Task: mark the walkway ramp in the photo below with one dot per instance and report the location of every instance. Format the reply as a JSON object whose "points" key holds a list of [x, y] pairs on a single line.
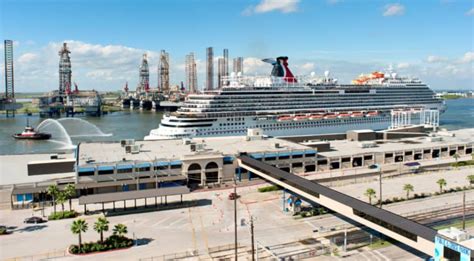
{"points": [[406, 231]]}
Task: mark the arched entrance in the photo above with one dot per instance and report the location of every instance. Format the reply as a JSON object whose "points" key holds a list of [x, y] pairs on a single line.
{"points": [[212, 172], [194, 175]]}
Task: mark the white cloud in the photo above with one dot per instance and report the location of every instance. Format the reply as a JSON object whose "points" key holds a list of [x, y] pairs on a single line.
{"points": [[254, 65], [108, 67], [306, 68], [283, 6], [403, 65], [27, 58], [467, 58], [470, 12], [394, 10], [435, 59]]}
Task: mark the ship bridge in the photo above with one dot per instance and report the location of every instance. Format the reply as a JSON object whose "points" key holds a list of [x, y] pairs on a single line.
{"points": [[406, 231]]}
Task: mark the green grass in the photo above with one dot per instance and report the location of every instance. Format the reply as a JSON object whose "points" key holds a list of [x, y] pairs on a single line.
{"points": [[380, 244], [457, 224], [28, 107], [463, 163], [268, 188], [451, 96], [28, 95]]}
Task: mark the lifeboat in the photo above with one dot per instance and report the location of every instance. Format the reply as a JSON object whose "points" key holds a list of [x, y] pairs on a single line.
{"points": [[301, 118], [330, 116], [357, 114], [343, 115], [372, 113], [316, 116], [285, 118]]}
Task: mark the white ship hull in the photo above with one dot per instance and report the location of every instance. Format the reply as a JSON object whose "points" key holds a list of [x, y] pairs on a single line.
{"points": [[271, 127]]}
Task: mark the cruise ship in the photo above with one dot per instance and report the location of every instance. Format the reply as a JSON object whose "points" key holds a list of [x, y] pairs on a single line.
{"points": [[282, 104]]}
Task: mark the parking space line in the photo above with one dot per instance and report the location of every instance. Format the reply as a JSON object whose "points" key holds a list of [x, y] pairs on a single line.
{"points": [[175, 222], [162, 221], [381, 255]]}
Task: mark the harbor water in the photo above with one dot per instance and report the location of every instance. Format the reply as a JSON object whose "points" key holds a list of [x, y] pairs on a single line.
{"points": [[137, 124]]}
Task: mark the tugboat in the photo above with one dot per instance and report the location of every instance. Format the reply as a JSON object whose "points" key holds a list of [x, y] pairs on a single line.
{"points": [[30, 134]]}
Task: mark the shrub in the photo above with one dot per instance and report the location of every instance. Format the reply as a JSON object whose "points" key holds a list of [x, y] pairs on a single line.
{"points": [[268, 188], [63, 215], [3, 230], [112, 242]]}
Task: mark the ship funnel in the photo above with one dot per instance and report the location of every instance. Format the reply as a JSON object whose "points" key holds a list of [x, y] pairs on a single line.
{"points": [[280, 68]]}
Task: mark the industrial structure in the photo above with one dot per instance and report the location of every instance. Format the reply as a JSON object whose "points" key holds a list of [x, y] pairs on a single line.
{"points": [[238, 65], [65, 99], [144, 76], [209, 69], [220, 71], [7, 102], [164, 72], [226, 62], [65, 70], [191, 74]]}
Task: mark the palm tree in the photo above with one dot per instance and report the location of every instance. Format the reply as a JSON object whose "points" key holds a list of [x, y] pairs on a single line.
{"points": [[78, 227], [441, 183], [456, 157], [101, 226], [70, 191], [53, 191], [60, 199], [408, 188], [370, 193], [470, 178], [120, 230]]}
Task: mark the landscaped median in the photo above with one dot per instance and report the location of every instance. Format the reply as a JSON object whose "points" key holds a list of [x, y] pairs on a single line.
{"points": [[63, 215], [116, 241]]}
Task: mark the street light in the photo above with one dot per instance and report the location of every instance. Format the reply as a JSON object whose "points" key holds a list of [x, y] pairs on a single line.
{"points": [[235, 218]]}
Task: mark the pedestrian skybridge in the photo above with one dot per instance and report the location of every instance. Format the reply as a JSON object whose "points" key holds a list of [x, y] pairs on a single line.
{"points": [[406, 231]]}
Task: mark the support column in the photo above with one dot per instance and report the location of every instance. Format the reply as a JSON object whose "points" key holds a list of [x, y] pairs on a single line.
{"points": [[219, 176], [113, 204], [203, 178], [239, 173], [124, 205]]}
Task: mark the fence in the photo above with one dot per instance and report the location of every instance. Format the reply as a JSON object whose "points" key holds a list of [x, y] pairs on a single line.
{"points": [[193, 253], [54, 254]]}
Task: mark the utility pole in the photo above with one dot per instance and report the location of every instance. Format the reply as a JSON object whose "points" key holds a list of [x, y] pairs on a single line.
{"points": [[235, 218], [464, 210], [380, 188], [252, 236]]}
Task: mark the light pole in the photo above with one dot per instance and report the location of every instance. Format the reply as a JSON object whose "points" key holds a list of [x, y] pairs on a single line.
{"points": [[252, 236], [235, 219], [464, 210], [380, 185]]}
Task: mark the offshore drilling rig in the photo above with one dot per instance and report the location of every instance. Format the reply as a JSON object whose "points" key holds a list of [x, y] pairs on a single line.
{"points": [[64, 99], [146, 98]]}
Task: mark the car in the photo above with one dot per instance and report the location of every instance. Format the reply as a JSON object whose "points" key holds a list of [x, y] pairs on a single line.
{"points": [[233, 196], [34, 220], [374, 166]]}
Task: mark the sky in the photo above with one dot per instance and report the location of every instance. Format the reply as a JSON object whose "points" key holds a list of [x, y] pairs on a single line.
{"points": [[429, 39]]}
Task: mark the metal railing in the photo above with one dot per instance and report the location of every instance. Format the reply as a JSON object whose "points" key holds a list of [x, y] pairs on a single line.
{"points": [[191, 253]]}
